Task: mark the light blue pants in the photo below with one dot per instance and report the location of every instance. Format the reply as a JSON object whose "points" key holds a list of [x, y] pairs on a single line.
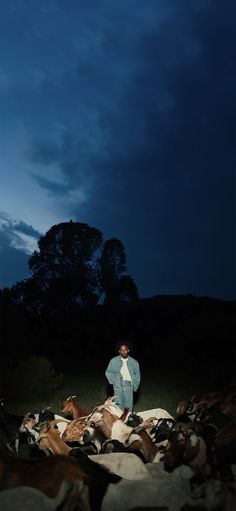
{"points": [[124, 395]]}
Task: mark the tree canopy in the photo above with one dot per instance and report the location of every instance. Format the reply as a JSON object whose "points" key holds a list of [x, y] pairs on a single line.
{"points": [[73, 265]]}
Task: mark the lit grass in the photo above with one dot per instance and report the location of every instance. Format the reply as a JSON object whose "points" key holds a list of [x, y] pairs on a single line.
{"points": [[157, 390]]}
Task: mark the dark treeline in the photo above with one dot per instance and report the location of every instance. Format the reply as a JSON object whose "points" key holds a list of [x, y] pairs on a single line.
{"points": [[79, 302], [181, 333]]}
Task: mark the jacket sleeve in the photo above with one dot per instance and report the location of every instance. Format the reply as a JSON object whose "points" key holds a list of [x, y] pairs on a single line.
{"points": [[137, 377], [110, 372]]}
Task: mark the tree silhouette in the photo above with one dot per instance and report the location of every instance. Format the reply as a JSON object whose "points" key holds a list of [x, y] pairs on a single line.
{"points": [[113, 265], [74, 267], [128, 290], [67, 263]]}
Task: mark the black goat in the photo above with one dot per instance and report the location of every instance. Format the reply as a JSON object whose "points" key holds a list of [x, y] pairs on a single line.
{"points": [[46, 415], [10, 425], [162, 430], [112, 446], [133, 420], [98, 476]]}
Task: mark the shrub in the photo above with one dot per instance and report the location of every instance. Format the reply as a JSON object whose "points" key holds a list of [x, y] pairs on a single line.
{"points": [[34, 378]]}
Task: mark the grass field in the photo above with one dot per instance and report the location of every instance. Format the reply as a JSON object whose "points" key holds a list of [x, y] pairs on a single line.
{"points": [[157, 390]]}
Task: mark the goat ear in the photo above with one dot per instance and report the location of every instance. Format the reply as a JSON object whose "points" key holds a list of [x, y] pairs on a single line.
{"points": [[107, 414], [44, 426], [124, 414]]}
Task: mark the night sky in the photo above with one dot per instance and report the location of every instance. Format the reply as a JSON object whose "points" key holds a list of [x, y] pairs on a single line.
{"points": [[119, 114]]}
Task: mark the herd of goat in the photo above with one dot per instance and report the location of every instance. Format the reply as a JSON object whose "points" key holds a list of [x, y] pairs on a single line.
{"points": [[108, 458]]}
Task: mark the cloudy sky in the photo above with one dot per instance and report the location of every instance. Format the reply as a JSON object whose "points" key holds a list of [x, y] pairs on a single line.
{"points": [[119, 114]]}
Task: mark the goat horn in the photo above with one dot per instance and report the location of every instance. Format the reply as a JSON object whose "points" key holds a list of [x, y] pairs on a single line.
{"points": [[110, 399], [81, 418], [149, 419], [145, 425], [27, 415]]}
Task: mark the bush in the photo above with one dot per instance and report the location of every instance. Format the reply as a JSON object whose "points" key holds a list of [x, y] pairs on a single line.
{"points": [[30, 379]]}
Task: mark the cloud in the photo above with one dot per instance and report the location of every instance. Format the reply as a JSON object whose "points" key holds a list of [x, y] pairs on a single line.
{"points": [[52, 187], [165, 107], [17, 242], [17, 229], [134, 130], [23, 242]]}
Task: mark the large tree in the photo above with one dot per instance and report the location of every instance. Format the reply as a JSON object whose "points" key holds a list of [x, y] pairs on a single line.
{"points": [[74, 266], [67, 263]]}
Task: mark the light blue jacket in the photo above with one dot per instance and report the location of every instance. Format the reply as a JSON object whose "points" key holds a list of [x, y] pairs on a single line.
{"points": [[113, 373]]}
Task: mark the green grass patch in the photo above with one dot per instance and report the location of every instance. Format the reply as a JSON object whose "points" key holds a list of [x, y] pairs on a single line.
{"points": [[157, 390]]}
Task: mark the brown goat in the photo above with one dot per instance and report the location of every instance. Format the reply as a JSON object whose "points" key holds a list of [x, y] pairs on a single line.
{"points": [[135, 439], [46, 474], [89, 479], [49, 440], [73, 408], [145, 446], [185, 445], [187, 408], [27, 423], [74, 431]]}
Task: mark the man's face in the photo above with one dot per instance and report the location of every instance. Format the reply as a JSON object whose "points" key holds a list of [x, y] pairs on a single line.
{"points": [[124, 351]]}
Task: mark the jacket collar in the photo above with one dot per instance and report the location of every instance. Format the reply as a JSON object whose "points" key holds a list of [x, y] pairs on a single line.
{"points": [[128, 360]]}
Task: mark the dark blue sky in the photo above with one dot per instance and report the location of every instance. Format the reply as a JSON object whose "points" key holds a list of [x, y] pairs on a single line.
{"points": [[120, 114]]}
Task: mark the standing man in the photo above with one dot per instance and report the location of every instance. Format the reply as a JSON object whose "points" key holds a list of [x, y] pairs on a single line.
{"points": [[124, 374]]}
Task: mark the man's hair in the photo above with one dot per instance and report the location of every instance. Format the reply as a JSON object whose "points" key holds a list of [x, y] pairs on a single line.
{"points": [[123, 342]]}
